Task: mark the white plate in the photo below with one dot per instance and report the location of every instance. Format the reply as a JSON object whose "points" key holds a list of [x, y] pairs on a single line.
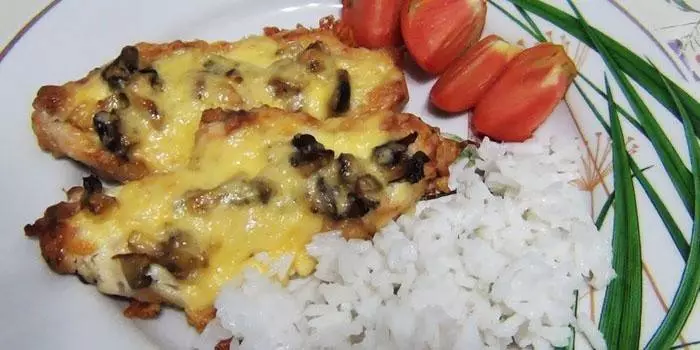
{"points": [[41, 310]]}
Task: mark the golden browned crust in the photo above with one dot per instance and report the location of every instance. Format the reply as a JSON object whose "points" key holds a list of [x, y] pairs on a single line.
{"points": [[55, 234], [63, 139], [326, 24], [200, 318], [387, 97], [57, 238], [142, 310], [66, 130]]}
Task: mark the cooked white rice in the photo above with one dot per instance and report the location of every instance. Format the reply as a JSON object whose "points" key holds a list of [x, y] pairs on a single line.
{"points": [[493, 266]]}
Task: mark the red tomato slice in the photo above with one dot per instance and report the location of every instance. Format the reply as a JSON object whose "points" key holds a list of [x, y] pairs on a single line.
{"points": [[374, 23], [470, 75], [438, 31], [525, 94]]}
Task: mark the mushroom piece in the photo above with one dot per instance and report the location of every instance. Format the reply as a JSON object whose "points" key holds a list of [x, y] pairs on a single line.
{"points": [[336, 202], [99, 203], [153, 78], [107, 125], [92, 184], [348, 168], [233, 192], [367, 185], [393, 152], [135, 268], [413, 167], [357, 206], [235, 75], [155, 119], [245, 192], [310, 155], [340, 101], [92, 197], [122, 101], [181, 255], [219, 65], [282, 88], [201, 201], [392, 156], [264, 190], [118, 73], [322, 198], [313, 57]]}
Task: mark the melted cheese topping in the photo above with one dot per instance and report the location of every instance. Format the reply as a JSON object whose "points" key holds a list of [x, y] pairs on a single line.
{"points": [[238, 77], [229, 235]]}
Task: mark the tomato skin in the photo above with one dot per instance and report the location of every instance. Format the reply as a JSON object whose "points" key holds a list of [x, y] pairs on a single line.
{"points": [[374, 23], [438, 31], [470, 75], [525, 94]]}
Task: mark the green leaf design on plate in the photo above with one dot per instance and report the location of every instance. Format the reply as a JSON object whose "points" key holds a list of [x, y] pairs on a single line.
{"points": [[687, 292], [634, 66], [661, 209], [622, 308]]}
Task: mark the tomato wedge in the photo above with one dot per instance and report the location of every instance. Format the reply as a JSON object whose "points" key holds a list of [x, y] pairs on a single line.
{"points": [[374, 23], [438, 31], [525, 94], [470, 75]]}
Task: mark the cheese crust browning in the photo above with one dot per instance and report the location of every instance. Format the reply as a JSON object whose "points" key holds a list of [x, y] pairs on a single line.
{"points": [[263, 181], [137, 115]]}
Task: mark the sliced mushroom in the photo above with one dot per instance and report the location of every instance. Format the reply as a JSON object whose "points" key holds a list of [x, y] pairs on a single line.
{"points": [[357, 206], [413, 167], [135, 268], [264, 190], [235, 75], [322, 198], [340, 101], [283, 88], [317, 45], [118, 73], [245, 192], [122, 101], [219, 65], [153, 78], [201, 201], [310, 155], [200, 88], [393, 152], [367, 185], [313, 57], [107, 125], [155, 119], [92, 197], [99, 203], [348, 168], [236, 191], [92, 184], [181, 255]]}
